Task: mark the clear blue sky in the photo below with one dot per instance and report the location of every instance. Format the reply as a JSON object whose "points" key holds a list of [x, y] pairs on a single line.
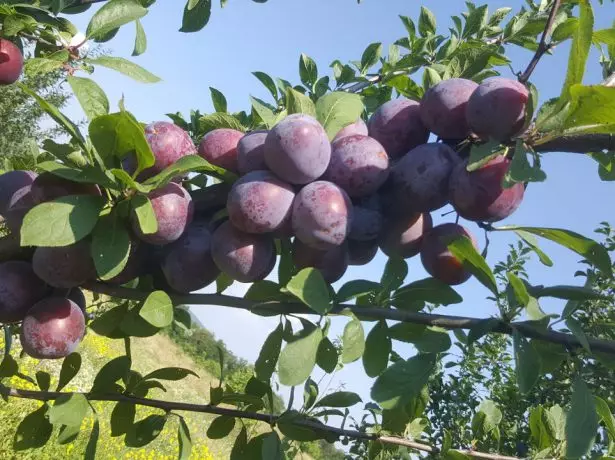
{"points": [[247, 36]]}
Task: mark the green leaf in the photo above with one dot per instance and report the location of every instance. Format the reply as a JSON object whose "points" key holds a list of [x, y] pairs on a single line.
{"points": [[113, 15], [377, 350], [268, 357], [579, 51], [482, 328], [110, 246], [184, 440], [43, 380], [170, 373], [327, 356], [493, 415], [92, 98], [61, 222], [356, 288], [144, 211], [296, 432], [370, 56], [223, 282], [125, 67], [196, 15], [272, 447], [310, 287], [578, 293], [299, 357], [551, 116], [339, 399], [157, 309], [433, 340], [263, 291], [604, 411], [122, 418], [395, 271], [36, 66], [69, 409], [480, 154], [70, 367], [218, 99], [337, 110], [427, 22], [428, 290], [403, 381], [533, 244], [308, 71], [310, 393], [577, 329], [299, 103], [264, 112], [219, 120], [521, 170], [107, 324], [472, 261], [185, 165], [110, 373], [581, 421], [519, 288], [589, 249], [140, 40], [268, 82], [591, 110], [145, 431], [406, 332], [33, 431], [353, 341], [220, 427], [527, 363], [85, 174], [68, 434]]}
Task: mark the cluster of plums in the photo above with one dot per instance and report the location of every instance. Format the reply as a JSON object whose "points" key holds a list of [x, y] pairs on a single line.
{"points": [[372, 187]]}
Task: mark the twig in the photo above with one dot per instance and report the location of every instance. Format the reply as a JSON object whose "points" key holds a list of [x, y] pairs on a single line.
{"points": [[543, 46], [365, 313], [209, 409]]}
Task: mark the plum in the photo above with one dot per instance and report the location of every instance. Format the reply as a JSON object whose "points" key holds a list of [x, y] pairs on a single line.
{"points": [[297, 149], [366, 219], [243, 256], [20, 289], [361, 252], [219, 147], [322, 215], [403, 237], [64, 266], [52, 329], [358, 127], [438, 261], [10, 182], [135, 265], [421, 177], [461, 146], [358, 164], [332, 263], [251, 152], [18, 206], [74, 294], [48, 187], [259, 202], [497, 108], [479, 195], [443, 108], [173, 210], [169, 143], [11, 62], [187, 263], [398, 127]]}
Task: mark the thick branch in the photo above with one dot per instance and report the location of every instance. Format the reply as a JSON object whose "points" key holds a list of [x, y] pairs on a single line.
{"points": [[365, 313], [209, 409]]}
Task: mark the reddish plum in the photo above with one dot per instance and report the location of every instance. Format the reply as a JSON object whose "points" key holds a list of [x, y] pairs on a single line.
{"points": [[11, 62], [332, 263], [403, 237], [358, 127], [169, 143], [251, 152], [64, 266], [219, 147], [20, 289], [10, 182]]}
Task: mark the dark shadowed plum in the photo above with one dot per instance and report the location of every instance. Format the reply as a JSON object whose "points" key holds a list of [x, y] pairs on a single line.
{"points": [[358, 164], [74, 294], [443, 108], [259, 202], [297, 149], [243, 256], [358, 127], [421, 177], [497, 108], [168, 143], [332, 263], [461, 146], [398, 127], [219, 147], [11, 62], [20, 203], [251, 152], [322, 215], [479, 195], [438, 260], [173, 210], [20, 289], [366, 219], [361, 252], [10, 182], [403, 237], [48, 187], [52, 329], [187, 263], [65, 266]]}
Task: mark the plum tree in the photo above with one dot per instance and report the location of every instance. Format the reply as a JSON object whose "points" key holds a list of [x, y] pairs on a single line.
{"points": [[361, 252], [251, 152], [297, 149], [259, 202], [331, 263], [497, 108], [11, 62], [366, 219], [187, 264], [10, 182], [18, 206], [358, 127], [168, 143], [52, 329], [438, 260], [480, 196], [48, 187], [64, 266], [20, 289], [358, 164], [219, 147], [398, 127], [403, 237], [173, 210], [243, 256], [443, 108], [322, 215], [421, 177]]}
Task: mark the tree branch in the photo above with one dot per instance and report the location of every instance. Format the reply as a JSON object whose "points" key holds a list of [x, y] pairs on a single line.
{"points": [[543, 46], [578, 144], [364, 313], [216, 410]]}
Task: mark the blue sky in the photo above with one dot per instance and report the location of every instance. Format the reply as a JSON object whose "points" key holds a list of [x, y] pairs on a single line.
{"points": [[246, 36]]}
